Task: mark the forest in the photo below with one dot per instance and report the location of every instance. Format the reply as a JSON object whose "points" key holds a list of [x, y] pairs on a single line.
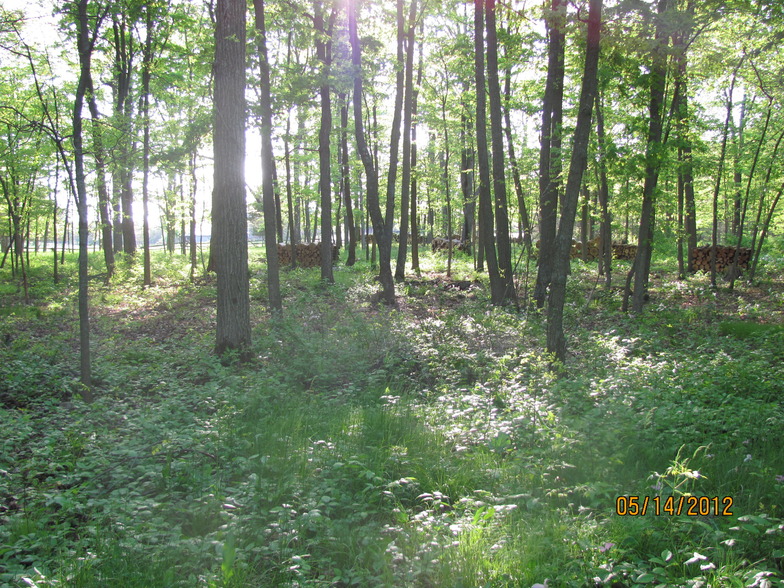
{"points": [[411, 293]]}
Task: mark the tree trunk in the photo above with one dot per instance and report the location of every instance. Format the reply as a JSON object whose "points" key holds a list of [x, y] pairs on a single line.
{"points": [[345, 183], [733, 271], [414, 206], [107, 241], [653, 160], [506, 275], [408, 103], [324, 53], [267, 163], [229, 214], [124, 53], [371, 172], [556, 341], [525, 222], [550, 152], [605, 231], [145, 112], [85, 42], [497, 284], [719, 174]]}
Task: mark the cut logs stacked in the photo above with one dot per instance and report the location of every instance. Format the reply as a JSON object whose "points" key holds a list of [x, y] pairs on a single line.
{"points": [[624, 251], [593, 250], [701, 258], [441, 244], [308, 255]]}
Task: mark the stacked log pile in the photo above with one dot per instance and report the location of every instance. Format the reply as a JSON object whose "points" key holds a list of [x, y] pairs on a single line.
{"points": [[701, 258], [593, 250], [308, 255], [441, 244], [624, 251]]}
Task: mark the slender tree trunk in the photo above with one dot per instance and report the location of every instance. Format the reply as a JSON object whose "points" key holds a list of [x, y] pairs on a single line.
{"points": [[408, 104], [499, 168], [719, 174], [414, 205], [734, 271], [385, 244], [123, 111], [486, 238], [267, 163], [229, 214], [145, 112], [550, 152], [525, 222], [605, 232], [761, 208], [653, 157], [85, 43], [556, 341], [467, 183], [324, 52], [103, 192], [345, 183], [371, 172], [192, 228]]}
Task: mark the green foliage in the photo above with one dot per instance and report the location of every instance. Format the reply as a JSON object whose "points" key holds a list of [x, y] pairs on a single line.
{"points": [[428, 446]]}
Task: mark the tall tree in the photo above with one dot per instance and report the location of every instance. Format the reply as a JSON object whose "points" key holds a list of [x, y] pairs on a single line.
{"points": [[229, 214], [550, 152], [324, 54], [556, 342], [147, 58], [640, 269], [345, 182], [86, 37], [107, 238], [382, 231], [499, 168], [486, 238], [408, 103], [267, 162], [123, 162]]}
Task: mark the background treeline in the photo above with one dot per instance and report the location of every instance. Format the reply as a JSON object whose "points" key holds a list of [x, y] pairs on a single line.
{"points": [[107, 126]]}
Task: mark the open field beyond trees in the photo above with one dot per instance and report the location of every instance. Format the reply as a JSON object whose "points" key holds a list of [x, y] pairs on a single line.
{"points": [[430, 445]]}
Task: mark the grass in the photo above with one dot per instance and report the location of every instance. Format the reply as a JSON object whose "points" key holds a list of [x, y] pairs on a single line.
{"points": [[427, 446]]}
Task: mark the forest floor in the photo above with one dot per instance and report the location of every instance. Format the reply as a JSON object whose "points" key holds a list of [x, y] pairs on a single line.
{"points": [[430, 445]]}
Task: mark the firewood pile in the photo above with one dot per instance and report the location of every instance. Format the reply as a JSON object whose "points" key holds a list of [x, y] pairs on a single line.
{"points": [[308, 255], [624, 251], [701, 258], [593, 250], [441, 244]]}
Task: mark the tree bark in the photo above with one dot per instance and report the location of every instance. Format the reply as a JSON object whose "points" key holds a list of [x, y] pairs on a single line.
{"points": [[345, 183], [550, 152], [556, 341], [267, 162], [324, 53], [504, 245], [408, 103], [229, 214], [85, 43], [653, 159], [525, 222], [486, 238], [107, 234], [145, 112], [380, 233]]}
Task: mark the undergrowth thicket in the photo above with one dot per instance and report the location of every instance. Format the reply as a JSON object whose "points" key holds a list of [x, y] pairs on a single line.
{"points": [[431, 445]]}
